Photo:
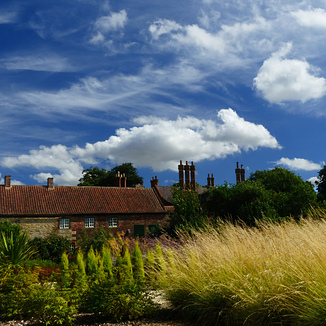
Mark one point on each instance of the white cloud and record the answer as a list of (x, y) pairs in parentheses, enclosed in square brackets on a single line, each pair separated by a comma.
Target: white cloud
[(315, 18), (57, 157), (313, 181), (156, 143), (47, 62), (282, 79), (163, 26), (7, 17), (299, 164), (113, 22)]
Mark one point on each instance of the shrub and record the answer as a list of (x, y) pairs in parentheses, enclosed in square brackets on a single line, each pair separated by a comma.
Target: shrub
[(51, 248)]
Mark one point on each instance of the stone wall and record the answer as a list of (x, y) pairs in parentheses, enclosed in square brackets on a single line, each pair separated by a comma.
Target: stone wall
[(36, 227)]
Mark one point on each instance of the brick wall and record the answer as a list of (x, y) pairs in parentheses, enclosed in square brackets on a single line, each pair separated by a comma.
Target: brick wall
[(42, 227)]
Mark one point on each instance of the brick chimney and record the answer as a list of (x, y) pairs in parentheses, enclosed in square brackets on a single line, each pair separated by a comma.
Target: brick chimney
[(154, 182), (212, 180), (7, 181), (181, 178), (187, 175), (124, 181), (243, 171), (50, 184), (238, 173), (118, 180), (193, 175)]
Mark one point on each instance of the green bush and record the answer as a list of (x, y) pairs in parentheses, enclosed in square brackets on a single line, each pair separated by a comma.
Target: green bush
[(51, 248), (96, 240)]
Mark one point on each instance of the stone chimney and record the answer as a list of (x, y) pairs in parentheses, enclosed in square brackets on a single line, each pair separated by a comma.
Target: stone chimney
[(238, 173), (50, 184), (7, 181), (181, 177), (154, 182)]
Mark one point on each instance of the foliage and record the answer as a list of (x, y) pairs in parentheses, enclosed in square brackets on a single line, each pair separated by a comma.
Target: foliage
[(138, 265), (291, 195), (6, 226), (188, 213), (273, 274), (14, 249), (96, 177), (273, 194), (96, 240), (321, 184), (51, 248)]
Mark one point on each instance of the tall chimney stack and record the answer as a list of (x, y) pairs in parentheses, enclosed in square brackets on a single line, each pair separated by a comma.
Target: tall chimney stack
[(243, 171), (187, 175), (50, 184), (154, 182), (181, 177), (7, 181), (193, 175), (238, 173)]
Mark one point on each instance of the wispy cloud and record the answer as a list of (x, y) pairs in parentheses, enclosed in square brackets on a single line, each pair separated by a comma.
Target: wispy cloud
[(38, 62)]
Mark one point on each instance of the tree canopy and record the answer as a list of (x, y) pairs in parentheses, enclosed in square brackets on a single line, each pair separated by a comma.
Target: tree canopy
[(272, 194), (321, 184), (102, 177)]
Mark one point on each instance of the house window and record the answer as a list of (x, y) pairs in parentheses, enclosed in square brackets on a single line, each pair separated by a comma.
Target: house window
[(89, 222), (113, 222), (64, 223)]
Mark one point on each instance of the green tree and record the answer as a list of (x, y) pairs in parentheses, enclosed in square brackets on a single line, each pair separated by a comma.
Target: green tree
[(103, 178), (188, 213), (291, 195), (272, 194), (321, 184)]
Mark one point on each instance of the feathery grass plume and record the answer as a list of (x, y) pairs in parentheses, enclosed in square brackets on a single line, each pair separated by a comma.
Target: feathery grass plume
[(92, 262), (138, 265), (107, 260), (149, 267), (267, 275), (126, 272), (159, 263)]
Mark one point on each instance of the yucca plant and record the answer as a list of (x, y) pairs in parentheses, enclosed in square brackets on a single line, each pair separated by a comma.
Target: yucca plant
[(15, 249)]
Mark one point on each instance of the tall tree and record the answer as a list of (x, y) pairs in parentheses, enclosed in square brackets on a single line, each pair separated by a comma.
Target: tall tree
[(321, 184), (273, 194), (102, 177)]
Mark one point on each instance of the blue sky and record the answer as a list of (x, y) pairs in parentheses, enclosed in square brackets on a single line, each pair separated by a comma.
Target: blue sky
[(99, 83)]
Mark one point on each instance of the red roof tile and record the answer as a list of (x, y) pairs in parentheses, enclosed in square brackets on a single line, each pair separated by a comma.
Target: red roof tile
[(41, 201)]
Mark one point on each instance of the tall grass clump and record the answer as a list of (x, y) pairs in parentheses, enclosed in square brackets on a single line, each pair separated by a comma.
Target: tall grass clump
[(273, 274)]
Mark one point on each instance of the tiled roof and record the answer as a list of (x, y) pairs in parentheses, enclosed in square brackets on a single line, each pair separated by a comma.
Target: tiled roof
[(41, 201)]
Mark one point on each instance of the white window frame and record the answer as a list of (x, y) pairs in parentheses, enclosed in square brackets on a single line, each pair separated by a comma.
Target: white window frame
[(113, 222), (89, 222), (64, 223)]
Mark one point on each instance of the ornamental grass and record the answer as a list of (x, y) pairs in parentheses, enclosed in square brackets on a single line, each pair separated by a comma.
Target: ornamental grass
[(273, 274)]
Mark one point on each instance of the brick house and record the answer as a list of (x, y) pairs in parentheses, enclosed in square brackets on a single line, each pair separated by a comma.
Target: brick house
[(66, 211)]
